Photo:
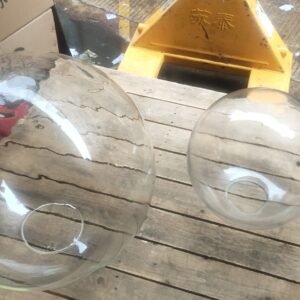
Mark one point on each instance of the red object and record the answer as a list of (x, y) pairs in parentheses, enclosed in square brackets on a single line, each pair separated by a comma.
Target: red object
[(10, 117)]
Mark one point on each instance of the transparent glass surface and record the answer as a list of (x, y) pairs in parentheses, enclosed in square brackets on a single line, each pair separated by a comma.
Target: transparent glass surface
[(244, 157), (76, 171)]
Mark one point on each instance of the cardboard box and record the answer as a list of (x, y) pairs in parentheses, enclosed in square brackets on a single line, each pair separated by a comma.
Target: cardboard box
[(14, 14), (37, 37)]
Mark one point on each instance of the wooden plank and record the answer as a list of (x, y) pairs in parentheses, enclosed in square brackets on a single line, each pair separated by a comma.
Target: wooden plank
[(168, 138), (105, 283), (201, 275), (40, 132), (180, 128), (171, 166), (165, 90), (275, 131), (109, 284), (233, 152), (98, 177), (207, 277), (215, 179), (249, 240), (86, 93), (167, 113), (104, 210), (9, 295), (210, 240), (182, 199), (33, 264)]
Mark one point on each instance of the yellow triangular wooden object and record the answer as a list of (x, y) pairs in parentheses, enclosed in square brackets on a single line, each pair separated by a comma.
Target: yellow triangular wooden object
[(231, 35)]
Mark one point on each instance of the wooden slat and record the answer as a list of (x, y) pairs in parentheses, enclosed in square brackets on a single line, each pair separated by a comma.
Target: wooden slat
[(274, 162), (205, 276), (165, 90), (9, 295), (27, 262), (279, 132), (167, 113), (109, 284), (249, 240), (221, 243), (100, 178), (104, 210), (168, 138), (201, 275), (214, 178), (98, 143), (182, 199)]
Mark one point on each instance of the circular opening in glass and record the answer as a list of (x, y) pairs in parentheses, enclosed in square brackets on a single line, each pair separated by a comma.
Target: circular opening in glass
[(52, 228), (246, 203)]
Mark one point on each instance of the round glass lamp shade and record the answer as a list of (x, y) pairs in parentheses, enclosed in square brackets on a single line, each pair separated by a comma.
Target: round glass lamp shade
[(244, 157), (76, 171)]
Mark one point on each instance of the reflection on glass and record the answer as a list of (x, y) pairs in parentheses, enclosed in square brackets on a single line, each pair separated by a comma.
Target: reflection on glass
[(81, 246), (11, 200), (66, 126), (266, 120), (20, 87), (31, 270)]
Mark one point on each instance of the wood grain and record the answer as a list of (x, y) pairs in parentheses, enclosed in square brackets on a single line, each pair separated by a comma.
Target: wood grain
[(9, 295), (201, 275), (172, 268), (110, 284)]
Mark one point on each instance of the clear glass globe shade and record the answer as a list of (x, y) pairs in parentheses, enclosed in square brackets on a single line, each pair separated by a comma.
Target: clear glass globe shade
[(244, 157), (76, 171)]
